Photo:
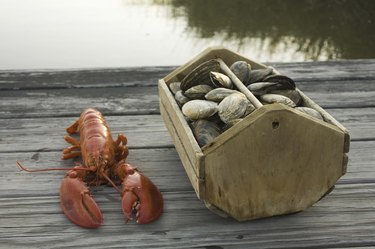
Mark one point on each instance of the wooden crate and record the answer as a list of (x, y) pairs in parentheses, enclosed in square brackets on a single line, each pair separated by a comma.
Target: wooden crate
[(276, 161)]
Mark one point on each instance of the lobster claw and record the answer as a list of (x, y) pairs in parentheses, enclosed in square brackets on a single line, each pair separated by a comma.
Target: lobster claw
[(140, 196), (77, 203)]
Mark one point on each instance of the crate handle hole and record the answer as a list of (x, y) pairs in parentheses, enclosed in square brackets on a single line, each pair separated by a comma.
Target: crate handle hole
[(275, 124)]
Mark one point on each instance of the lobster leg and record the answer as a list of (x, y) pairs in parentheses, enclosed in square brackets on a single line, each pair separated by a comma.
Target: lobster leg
[(122, 150), (73, 128), (140, 196), (72, 151), (77, 202), (121, 139), (71, 140), (71, 155)]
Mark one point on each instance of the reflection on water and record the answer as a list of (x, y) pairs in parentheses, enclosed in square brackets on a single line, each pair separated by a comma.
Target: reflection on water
[(120, 33), (315, 30)]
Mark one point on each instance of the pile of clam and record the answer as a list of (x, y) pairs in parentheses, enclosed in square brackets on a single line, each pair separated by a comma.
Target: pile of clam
[(211, 102)]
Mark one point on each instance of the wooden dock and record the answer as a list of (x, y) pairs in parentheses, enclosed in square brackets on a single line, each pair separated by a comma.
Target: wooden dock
[(37, 106)]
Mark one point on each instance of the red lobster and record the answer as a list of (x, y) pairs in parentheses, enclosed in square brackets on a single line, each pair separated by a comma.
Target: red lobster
[(103, 163)]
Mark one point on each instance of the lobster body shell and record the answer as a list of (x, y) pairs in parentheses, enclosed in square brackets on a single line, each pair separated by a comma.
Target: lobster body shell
[(96, 139), (104, 162), (96, 143)]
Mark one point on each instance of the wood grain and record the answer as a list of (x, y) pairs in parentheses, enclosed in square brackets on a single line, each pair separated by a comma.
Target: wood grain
[(36, 106)]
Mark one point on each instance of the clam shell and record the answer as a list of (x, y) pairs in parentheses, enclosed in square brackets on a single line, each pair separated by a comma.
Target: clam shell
[(261, 88), (242, 70), (197, 92), (285, 82), (312, 112), (205, 131), (277, 98), (258, 75), (199, 109), (218, 94), (200, 75), (292, 94), (215, 118), (221, 80), (231, 123), (181, 99), (249, 109), (232, 107), (175, 87)]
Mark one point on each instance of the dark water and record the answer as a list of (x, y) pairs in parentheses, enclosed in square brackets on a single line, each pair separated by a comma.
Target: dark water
[(115, 33)]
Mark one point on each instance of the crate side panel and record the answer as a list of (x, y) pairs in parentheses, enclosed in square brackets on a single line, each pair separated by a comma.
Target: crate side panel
[(189, 154), (281, 163)]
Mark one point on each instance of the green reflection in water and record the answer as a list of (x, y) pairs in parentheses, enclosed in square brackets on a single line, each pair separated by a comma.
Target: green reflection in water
[(335, 29)]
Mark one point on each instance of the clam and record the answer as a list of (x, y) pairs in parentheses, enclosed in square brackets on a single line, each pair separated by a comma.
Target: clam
[(221, 80), (205, 131), (198, 91), (292, 94), (242, 70), (215, 118), (261, 88), (258, 75), (277, 98), (218, 94), (231, 123), (175, 87), (200, 75), (285, 82), (199, 109), (181, 98), (232, 107), (249, 109), (310, 111)]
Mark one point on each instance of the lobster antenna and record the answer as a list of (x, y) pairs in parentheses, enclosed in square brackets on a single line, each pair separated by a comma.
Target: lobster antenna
[(75, 168), (111, 182), (50, 169)]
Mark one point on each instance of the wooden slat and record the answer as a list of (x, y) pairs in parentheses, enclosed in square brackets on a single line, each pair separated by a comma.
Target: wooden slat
[(141, 76), (32, 123), (33, 210), (141, 130), (47, 133), (162, 165), (328, 70), (68, 102), (327, 223), (145, 100), (86, 78)]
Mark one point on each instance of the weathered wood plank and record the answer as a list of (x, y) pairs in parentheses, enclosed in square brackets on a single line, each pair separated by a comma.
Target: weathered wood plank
[(345, 85), (328, 70), (361, 163), (47, 133), (38, 222), (141, 76), (68, 102), (163, 166), (145, 100), (32, 123), (85, 78), (142, 130), (329, 100)]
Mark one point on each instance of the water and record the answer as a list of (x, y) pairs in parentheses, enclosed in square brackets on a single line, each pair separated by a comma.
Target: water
[(44, 34)]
